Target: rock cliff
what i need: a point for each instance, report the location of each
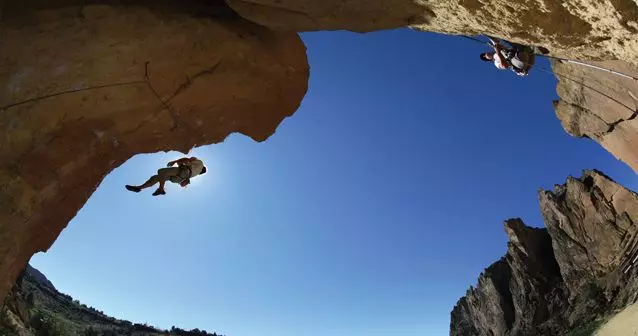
(550, 280)
(601, 106)
(85, 87)
(575, 28)
(595, 104)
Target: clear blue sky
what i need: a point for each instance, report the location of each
(369, 212)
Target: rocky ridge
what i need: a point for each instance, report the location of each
(34, 308)
(582, 265)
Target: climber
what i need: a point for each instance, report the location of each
(185, 170)
(519, 58)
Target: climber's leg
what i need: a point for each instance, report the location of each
(162, 176)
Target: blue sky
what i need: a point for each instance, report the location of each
(369, 212)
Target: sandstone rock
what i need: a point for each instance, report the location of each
(552, 279)
(536, 285)
(601, 106)
(575, 28)
(515, 295)
(488, 308)
(310, 15)
(593, 104)
(87, 87)
(591, 221)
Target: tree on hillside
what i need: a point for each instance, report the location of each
(47, 324)
(6, 325)
(90, 332)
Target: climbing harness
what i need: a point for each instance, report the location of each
(186, 169)
(522, 60)
(184, 174)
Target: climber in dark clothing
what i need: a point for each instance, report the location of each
(186, 168)
(520, 58)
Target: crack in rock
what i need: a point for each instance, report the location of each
(613, 125)
(189, 81)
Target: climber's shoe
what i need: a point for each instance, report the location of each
(159, 192)
(133, 188)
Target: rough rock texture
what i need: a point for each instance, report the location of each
(512, 294)
(593, 29)
(601, 106)
(84, 88)
(593, 222)
(593, 103)
(596, 104)
(553, 279)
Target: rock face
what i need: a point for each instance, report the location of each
(595, 104)
(576, 28)
(516, 295)
(593, 223)
(601, 106)
(85, 87)
(551, 279)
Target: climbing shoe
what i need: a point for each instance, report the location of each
(133, 188)
(159, 192)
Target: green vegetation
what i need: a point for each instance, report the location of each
(592, 290)
(592, 303)
(48, 324)
(7, 327)
(51, 313)
(587, 329)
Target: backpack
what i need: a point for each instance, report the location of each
(521, 59)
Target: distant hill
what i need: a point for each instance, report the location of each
(35, 308)
(38, 277)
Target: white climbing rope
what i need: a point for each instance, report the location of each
(590, 66)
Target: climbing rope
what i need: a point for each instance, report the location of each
(553, 73)
(566, 60)
(146, 81)
(30, 100)
(590, 66)
(476, 40)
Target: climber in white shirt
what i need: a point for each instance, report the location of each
(520, 58)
